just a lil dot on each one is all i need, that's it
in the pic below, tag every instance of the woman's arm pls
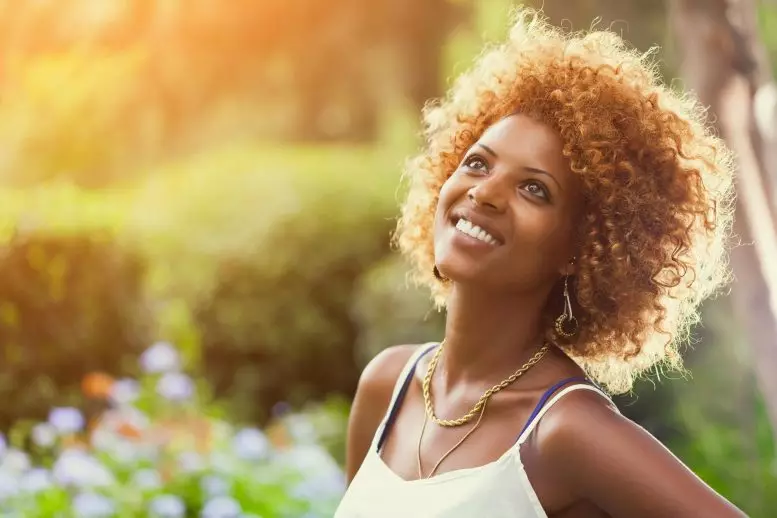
(605, 458)
(371, 402)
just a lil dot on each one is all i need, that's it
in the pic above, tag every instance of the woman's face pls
(506, 218)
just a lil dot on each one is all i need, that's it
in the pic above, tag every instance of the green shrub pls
(390, 311)
(69, 305)
(265, 246)
(253, 259)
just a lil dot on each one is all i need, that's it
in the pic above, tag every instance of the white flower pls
(44, 435)
(221, 507)
(79, 469)
(113, 420)
(324, 480)
(124, 391)
(251, 444)
(124, 453)
(175, 386)
(160, 357)
(146, 479)
(103, 439)
(93, 505)
(190, 462)
(36, 480)
(223, 462)
(167, 506)
(301, 429)
(9, 485)
(15, 461)
(3, 445)
(66, 419)
(213, 486)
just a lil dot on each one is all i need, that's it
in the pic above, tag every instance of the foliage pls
(389, 311)
(68, 305)
(247, 257)
(267, 265)
(274, 247)
(726, 439)
(159, 450)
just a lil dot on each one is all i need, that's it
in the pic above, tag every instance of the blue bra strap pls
(548, 393)
(400, 396)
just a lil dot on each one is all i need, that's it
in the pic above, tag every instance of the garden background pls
(220, 179)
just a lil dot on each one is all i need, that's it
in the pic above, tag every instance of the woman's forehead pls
(520, 138)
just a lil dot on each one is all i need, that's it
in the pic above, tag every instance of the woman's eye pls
(537, 189)
(475, 162)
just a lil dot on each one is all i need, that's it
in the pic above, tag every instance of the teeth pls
(475, 231)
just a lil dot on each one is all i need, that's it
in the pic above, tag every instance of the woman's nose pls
(489, 193)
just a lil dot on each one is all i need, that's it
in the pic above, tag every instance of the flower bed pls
(156, 450)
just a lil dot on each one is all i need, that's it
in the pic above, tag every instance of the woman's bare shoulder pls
(379, 377)
(617, 465)
(373, 395)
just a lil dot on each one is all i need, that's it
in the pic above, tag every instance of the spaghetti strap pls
(544, 407)
(548, 393)
(400, 389)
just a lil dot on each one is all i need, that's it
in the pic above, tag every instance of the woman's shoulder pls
(616, 464)
(379, 377)
(373, 396)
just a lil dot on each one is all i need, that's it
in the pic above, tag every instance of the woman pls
(570, 213)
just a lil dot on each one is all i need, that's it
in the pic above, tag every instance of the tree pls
(725, 63)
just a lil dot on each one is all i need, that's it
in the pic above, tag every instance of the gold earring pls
(566, 318)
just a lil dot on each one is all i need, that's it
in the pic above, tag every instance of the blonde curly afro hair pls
(657, 187)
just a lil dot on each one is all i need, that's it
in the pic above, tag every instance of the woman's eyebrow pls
(529, 169)
(488, 150)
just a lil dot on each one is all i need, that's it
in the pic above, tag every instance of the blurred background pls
(196, 200)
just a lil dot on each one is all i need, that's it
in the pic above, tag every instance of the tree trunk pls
(721, 62)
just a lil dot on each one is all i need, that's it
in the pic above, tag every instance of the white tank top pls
(499, 489)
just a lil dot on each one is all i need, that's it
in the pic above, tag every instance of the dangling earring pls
(438, 275)
(566, 318)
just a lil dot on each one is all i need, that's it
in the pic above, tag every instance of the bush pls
(252, 258)
(390, 311)
(274, 244)
(68, 305)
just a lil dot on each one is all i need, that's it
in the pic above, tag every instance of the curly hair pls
(657, 187)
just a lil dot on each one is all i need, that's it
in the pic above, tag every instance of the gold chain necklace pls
(437, 465)
(487, 394)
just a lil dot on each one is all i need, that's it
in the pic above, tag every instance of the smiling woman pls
(570, 213)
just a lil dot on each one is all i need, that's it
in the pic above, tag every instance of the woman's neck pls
(489, 335)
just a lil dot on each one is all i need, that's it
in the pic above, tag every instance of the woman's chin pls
(464, 274)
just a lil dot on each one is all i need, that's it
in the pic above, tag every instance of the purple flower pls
(66, 419)
(160, 357)
(147, 479)
(79, 469)
(125, 391)
(213, 486)
(36, 480)
(44, 435)
(175, 386)
(301, 429)
(221, 507)
(9, 485)
(167, 506)
(250, 444)
(93, 505)
(191, 462)
(15, 461)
